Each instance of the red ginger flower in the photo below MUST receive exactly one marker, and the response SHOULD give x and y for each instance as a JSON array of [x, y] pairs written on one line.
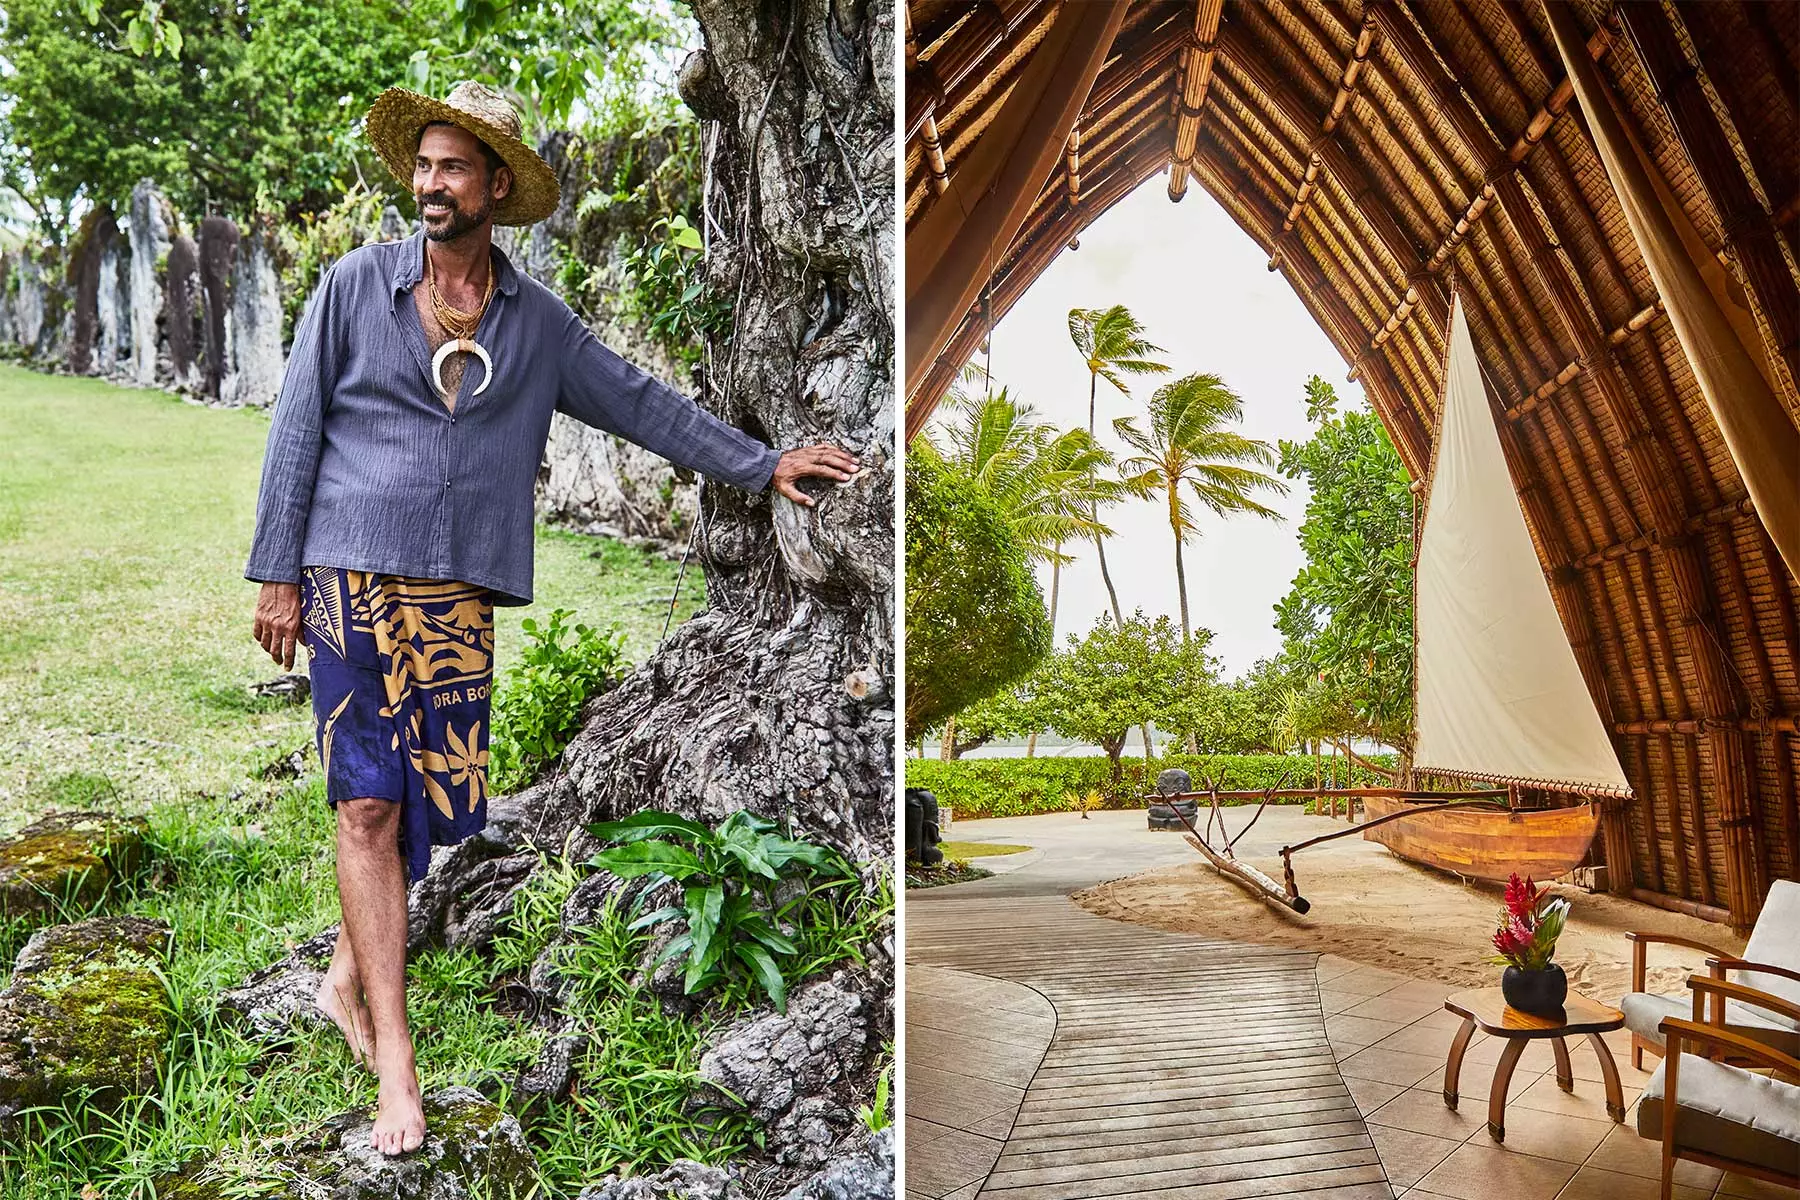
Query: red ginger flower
[[1521, 898]]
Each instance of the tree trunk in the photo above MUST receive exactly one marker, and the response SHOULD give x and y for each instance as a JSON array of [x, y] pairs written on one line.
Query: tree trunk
[[1055, 594], [947, 741], [780, 698]]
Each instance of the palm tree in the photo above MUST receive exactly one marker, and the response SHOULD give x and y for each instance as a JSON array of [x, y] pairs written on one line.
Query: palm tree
[[1186, 443], [1112, 344], [1047, 482]]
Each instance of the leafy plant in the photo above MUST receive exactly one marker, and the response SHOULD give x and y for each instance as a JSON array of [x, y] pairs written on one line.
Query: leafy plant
[[668, 288], [975, 619], [724, 873], [1529, 926], [875, 1115], [537, 711]]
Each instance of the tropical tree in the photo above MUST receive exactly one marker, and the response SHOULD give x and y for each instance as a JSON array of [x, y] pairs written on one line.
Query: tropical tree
[[1348, 617], [1045, 481], [1186, 443], [975, 620], [1119, 677], [1112, 346]]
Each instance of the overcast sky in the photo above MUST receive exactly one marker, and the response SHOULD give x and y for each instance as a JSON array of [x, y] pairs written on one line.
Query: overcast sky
[[1202, 289]]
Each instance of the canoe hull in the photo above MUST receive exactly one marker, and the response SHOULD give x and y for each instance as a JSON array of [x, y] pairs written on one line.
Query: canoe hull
[[1487, 844]]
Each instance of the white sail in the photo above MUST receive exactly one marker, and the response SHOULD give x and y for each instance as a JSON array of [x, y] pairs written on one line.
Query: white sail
[[1499, 695]]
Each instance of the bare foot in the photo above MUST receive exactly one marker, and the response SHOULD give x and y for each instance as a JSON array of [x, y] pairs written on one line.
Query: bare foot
[[399, 1114], [341, 999]]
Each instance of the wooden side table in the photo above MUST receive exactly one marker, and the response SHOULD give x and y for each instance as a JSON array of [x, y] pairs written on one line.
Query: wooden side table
[[1487, 1008]]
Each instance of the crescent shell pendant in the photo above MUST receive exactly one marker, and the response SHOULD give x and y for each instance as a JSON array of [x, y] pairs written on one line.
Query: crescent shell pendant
[[466, 346]]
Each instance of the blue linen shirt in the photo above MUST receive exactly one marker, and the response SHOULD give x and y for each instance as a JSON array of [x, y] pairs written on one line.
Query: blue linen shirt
[[367, 469]]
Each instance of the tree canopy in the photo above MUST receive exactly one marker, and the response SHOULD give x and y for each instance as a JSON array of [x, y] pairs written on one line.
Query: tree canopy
[[1119, 677], [975, 620], [256, 105], [1347, 619]]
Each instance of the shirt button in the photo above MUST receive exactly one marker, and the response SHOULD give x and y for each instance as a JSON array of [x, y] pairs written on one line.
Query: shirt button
[[446, 483]]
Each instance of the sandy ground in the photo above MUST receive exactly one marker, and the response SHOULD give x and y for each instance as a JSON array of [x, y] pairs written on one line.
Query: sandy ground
[[1368, 905]]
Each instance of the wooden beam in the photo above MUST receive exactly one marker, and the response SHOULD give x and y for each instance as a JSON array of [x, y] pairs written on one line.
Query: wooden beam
[[953, 250], [1750, 235], [1555, 383], [1646, 456], [1190, 97], [1724, 514], [940, 84], [1695, 726], [1249, 60], [1553, 107], [1340, 102]]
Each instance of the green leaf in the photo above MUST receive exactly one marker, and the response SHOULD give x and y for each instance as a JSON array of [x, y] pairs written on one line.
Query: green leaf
[[650, 823], [703, 907], [689, 238], [766, 972], [648, 857], [666, 913]]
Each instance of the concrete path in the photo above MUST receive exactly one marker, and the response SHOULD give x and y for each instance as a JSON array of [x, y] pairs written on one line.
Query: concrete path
[[1186, 1067], [1180, 1068]]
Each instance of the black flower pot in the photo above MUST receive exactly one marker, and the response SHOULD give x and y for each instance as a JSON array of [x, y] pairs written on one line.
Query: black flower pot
[[1538, 992]]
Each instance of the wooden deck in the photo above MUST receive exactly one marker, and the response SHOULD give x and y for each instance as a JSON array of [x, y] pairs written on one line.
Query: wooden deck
[[1180, 1068]]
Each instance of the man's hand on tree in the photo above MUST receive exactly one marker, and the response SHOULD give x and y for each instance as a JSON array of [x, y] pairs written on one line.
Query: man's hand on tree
[[277, 622], [811, 462]]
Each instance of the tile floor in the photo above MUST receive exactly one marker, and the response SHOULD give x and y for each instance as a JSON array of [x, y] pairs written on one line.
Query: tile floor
[[1391, 1035]]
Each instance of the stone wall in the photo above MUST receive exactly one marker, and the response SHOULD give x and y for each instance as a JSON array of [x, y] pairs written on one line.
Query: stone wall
[[197, 308]]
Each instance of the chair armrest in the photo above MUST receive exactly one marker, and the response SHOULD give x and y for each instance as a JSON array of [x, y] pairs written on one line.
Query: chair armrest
[[1672, 940], [1718, 966], [1641, 940], [1725, 989], [1675, 1031]]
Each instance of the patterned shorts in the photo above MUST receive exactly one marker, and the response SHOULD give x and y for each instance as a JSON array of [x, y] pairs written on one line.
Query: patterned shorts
[[402, 672]]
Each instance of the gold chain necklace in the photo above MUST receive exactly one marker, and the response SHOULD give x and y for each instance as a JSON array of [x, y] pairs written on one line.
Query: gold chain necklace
[[457, 323]]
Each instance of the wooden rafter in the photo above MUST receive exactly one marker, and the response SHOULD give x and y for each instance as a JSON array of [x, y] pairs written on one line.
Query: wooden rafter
[[1190, 97], [1750, 235]]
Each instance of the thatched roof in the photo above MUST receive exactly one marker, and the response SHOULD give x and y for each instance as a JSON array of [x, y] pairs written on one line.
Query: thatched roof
[[1383, 152]]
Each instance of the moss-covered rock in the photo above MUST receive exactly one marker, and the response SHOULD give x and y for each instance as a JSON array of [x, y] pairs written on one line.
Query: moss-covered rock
[[86, 1009], [68, 858], [473, 1151]]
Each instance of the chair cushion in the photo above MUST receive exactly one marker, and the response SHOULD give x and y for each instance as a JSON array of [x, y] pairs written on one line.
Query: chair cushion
[[1776, 941], [1644, 1011], [1727, 1112]]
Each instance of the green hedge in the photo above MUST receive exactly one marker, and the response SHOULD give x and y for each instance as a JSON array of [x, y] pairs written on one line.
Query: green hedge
[[1019, 787]]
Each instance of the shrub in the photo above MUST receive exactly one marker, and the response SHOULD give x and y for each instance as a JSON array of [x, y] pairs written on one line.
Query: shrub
[[539, 708], [1020, 787]]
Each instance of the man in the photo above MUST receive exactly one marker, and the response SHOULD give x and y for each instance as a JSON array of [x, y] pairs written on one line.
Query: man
[[396, 511]]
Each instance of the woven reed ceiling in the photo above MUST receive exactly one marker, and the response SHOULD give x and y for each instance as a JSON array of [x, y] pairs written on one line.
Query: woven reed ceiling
[[1455, 157]]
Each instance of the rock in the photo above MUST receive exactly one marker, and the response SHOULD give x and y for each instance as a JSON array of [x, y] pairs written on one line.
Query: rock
[[150, 219], [683, 1179], [1173, 782], [253, 329], [868, 1174], [793, 1071], [279, 998], [472, 1149], [85, 1009], [551, 1075], [293, 687], [67, 857]]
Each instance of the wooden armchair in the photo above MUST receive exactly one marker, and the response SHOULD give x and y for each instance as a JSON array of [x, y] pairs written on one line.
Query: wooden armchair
[[1722, 1115], [1771, 961]]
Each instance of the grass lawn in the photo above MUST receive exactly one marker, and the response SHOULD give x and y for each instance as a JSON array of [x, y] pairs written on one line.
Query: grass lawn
[[968, 850], [125, 651], [125, 647]]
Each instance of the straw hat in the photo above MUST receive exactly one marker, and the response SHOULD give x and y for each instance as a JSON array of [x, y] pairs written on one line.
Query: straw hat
[[398, 116]]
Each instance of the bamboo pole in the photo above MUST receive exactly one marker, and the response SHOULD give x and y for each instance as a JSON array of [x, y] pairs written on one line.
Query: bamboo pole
[[1749, 234], [953, 250], [1190, 96]]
